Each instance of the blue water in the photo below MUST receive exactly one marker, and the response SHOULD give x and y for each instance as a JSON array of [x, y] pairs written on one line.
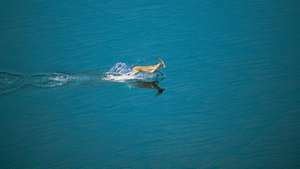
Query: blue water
[[230, 99]]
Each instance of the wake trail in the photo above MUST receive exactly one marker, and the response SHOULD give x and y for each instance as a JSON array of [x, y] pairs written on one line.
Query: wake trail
[[120, 72], [10, 82]]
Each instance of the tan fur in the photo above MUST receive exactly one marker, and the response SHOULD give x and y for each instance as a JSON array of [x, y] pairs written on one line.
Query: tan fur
[[151, 69]]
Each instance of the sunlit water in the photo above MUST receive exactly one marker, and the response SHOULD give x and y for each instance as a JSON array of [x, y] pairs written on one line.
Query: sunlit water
[[229, 97]]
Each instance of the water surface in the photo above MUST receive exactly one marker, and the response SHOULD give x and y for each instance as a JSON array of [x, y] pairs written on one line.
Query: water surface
[[231, 96]]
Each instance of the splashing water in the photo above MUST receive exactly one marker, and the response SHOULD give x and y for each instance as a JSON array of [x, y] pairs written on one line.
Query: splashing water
[[120, 72], [120, 68]]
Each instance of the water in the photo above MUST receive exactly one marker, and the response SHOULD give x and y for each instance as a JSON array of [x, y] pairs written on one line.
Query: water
[[231, 90]]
